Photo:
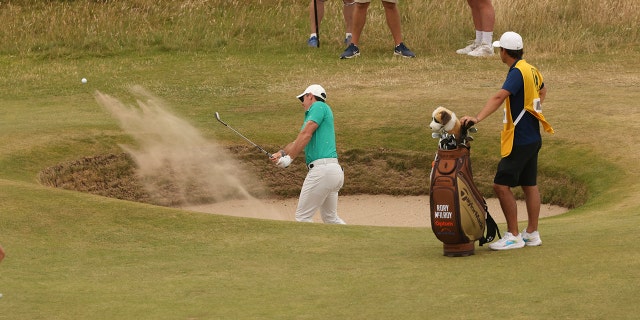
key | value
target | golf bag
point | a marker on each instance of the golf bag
(459, 213)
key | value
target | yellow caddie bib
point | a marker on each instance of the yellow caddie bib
(532, 85)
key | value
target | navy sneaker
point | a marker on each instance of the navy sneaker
(402, 50)
(351, 51)
(313, 42)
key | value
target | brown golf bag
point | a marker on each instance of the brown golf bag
(459, 214)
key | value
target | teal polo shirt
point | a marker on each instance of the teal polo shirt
(323, 141)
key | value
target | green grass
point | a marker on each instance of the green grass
(72, 255)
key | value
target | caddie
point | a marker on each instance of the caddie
(523, 93)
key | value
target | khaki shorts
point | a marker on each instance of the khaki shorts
(367, 1)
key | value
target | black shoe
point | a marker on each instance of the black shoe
(402, 50)
(351, 51)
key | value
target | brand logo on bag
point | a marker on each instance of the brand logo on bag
(444, 223)
(466, 197)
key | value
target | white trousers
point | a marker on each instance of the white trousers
(320, 192)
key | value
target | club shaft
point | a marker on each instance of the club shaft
(241, 135)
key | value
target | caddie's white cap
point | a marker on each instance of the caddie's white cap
(510, 41)
(316, 90)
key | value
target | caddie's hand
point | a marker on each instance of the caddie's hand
(284, 162)
(468, 121)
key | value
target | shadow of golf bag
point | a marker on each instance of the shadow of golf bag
(459, 213)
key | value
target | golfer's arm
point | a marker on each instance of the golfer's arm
(294, 148)
(492, 104)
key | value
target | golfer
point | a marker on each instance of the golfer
(520, 141)
(318, 140)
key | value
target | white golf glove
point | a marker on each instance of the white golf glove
(284, 162)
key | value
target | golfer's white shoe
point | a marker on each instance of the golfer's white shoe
(509, 241)
(531, 239)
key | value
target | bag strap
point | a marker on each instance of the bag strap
(519, 116)
(492, 229)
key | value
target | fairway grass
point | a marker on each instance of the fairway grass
(79, 256)
(73, 255)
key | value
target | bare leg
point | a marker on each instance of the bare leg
(347, 12)
(312, 17)
(392, 14)
(532, 197)
(509, 207)
(475, 14)
(486, 15)
(359, 19)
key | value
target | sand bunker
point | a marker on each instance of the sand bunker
(369, 210)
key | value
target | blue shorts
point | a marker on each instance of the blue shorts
(520, 168)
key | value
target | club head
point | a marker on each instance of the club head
(435, 135)
(220, 120)
(473, 129)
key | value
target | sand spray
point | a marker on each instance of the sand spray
(177, 165)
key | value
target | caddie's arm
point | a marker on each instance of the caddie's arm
(490, 107)
(542, 93)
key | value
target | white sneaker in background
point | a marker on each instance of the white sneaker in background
(483, 50)
(468, 48)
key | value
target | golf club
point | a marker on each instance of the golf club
(240, 134)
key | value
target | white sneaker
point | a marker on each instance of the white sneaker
(531, 239)
(468, 48)
(509, 241)
(483, 50)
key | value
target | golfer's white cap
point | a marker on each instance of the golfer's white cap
(510, 41)
(316, 90)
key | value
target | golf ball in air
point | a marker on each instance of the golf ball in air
(84, 80)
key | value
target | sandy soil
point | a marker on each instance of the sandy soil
(371, 210)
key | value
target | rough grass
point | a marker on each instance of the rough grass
(106, 28)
